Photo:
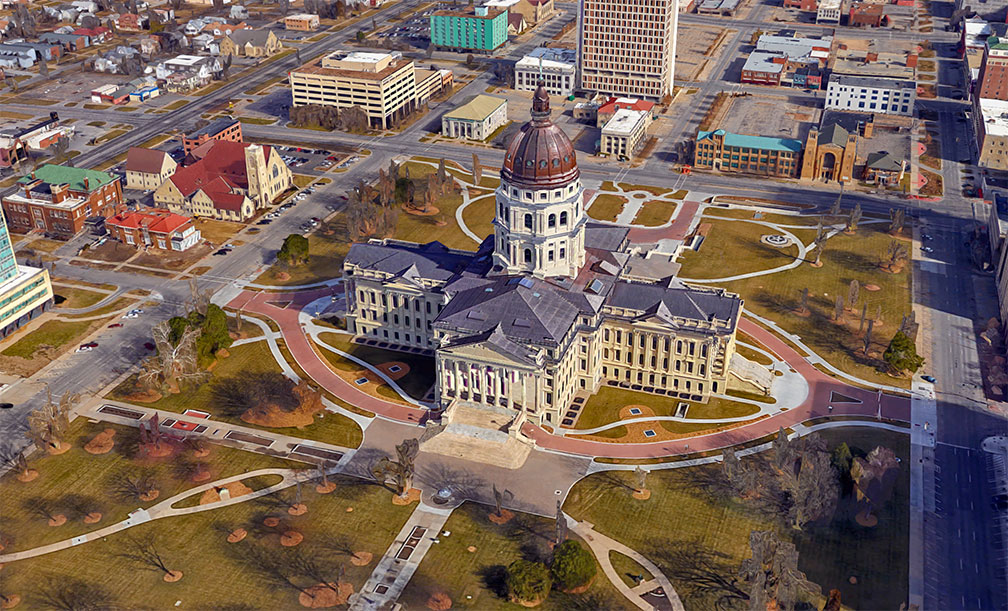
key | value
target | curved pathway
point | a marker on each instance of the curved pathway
(284, 310)
(601, 545)
(164, 509)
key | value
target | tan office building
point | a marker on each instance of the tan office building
(383, 84)
(624, 134)
(627, 47)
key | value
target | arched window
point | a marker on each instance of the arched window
(563, 218)
(507, 216)
(551, 221)
(528, 255)
(528, 221)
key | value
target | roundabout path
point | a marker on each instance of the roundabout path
(284, 309)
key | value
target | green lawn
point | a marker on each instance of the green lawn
(733, 247)
(74, 297)
(216, 574)
(627, 567)
(255, 358)
(120, 303)
(326, 249)
(416, 383)
(473, 579)
(606, 207)
(604, 406)
(76, 482)
(655, 213)
(845, 258)
(54, 333)
(479, 216)
(687, 520)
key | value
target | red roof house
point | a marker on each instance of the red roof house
(158, 229)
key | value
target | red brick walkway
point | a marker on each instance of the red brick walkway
(676, 231)
(283, 309)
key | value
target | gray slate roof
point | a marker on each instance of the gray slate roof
(676, 301)
(525, 309)
(432, 260)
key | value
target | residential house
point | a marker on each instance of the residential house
(96, 35)
(43, 50)
(225, 180)
(70, 42)
(149, 45)
(132, 22)
(57, 200)
(238, 12)
(219, 30)
(185, 72)
(250, 43)
(883, 168)
(223, 128)
(198, 24)
(516, 24)
(204, 43)
(17, 57)
(156, 229)
(147, 169)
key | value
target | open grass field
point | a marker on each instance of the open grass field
(734, 247)
(53, 333)
(326, 249)
(73, 297)
(479, 216)
(416, 383)
(255, 358)
(218, 574)
(76, 483)
(687, 520)
(604, 407)
(845, 258)
(217, 232)
(474, 580)
(115, 306)
(606, 207)
(655, 213)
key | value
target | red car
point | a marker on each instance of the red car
(115, 325)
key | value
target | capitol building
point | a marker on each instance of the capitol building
(549, 307)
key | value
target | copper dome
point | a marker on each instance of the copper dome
(540, 155)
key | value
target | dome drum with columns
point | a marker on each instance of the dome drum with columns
(541, 312)
(539, 222)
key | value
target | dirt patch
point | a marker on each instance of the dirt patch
(234, 489)
(271, 416)
(237, 535)
(439, 601)
(872, 287)
(150, 496)
(102, 443)
(157, 450)
(93, 518)
(412, 496)
(431, 211)
(326, 488)
(866, 519)
(298, 509)
(322, 595)
(62, 448)
(291, 538)
(27, 476)
(642, 495)
(57, 520)
(271, 521)
(10, 601)
(361, 558)
(173, 576)
(503, 518)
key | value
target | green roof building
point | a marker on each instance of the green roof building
(740, 153)
(72, 177)
(475, 28)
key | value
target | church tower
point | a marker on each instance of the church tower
(539, 221)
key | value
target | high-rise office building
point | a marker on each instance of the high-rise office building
(24, 291)
(627, 47)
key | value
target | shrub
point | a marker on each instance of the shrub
(573, 566)
(527, 581)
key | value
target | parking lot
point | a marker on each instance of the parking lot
(416, 30)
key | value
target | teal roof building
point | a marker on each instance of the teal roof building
(477, 28)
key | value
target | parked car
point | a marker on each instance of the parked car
(929, 379)
(115, 325)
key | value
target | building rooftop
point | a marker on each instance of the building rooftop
(624, 122)
(754, 142)
(995, 116)
(764, 61)
(872, 82)
(471, 12)
(147, 161)
(795, 47)
(366, 65)
(156, 220)
(476, 109)
(302, 16)
(74, 177)
(549, 57)
(186, 60)
(213, 128)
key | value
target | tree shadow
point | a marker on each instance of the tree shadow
(705, 578)
(494, 579)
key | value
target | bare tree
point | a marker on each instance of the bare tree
(67, 593)
(501, 497)
(60, 147)
(173, 363)
(130, 487)
(743, 480)
(13, 458)
(868, 475)
(838, 309)
(804, 301)
(477, 171)
(867, 336)
(145, 554)
(853, 219)
(864, 316)
(853, 293)
(560, 524)
(896, 220)
(199, 300)
(895, 255)
(400, 472)
(47, 426)
(811, 483)
(771, 575)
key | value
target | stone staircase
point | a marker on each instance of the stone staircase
(478, 434)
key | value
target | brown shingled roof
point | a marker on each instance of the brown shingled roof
(148, 161)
